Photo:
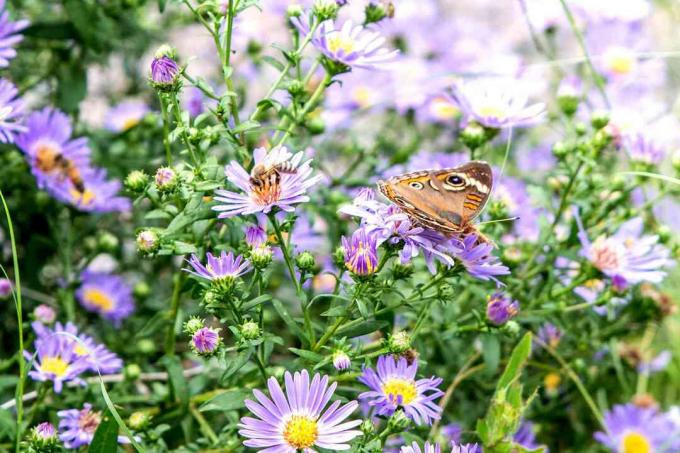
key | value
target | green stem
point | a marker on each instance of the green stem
(226, 60)
(166, 129)
(307, 108)
(174, 311)
(203, 424)
(180, 123)
(19, 393)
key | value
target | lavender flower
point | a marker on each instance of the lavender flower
(97, 195)
(9, 35)
(630, 428)
(44, 314)
(341, 360)
(222, 271)
(393, 385)
(643, 149)
(77, 426)
(56, 361)
(125, 115)
(525, 436)
(106, 294)
(44, 432)
(477, 258)
(205, 341)
(452, 432)
(256, 236)
(465, 448)
(164, 70)
(501, 308)
(497, 103)
(296, 420)
(361, 254)
(11, 112)
(550, 335)
(427, 448)
(290, 190)
(5, 288)
(349, 46)
(658, 363)
(628, 254)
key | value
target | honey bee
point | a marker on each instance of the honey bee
(263, 175)
(50, 161)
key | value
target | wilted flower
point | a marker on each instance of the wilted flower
(106, 294)
(296, 420)
(497, 103)
(9, 35)
(45, 314)
(349, 46)
(550, 335)
(393, 385)
(77, 426)
(57, 361)
(125, 115)
(5, 288)
(11, 111)
(361, 255)
(221, 271)
(634, 429)
(290, 190)
(205, 341)
(341, 361)
(501, 308)
(627, 255)
(427, 448)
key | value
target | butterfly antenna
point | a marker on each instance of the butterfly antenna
(507, 219)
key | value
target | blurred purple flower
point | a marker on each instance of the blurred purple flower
(11, 112)
(99, 194)
(550, 335)
(77, 426)
(125, 115)
(656, 364)
(643, 149)
(501, 308)
(106, 294)
(56, 361)
(427, 448)
(638, 429)
(9, 35)
(5, 288)
(526, 437)
(465, 448)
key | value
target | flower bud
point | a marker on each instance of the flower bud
(141, 290)
(377, 11)
(341, 361)
(146, 346)
(193, 324)
(511, 328)
(107, 242)
(250, 330)
(132, 372)
(325, 9)
(367, 427)
(166, 179)
(398, 422)
(560, 150)
(294, 10)
(165, 72)
(5, 288)
(305, 261)
(399, 342)
(43, 438)
(261, 256)
(136, 181)
(45, 314)
(339, 257)
(500, 309)
(147, 241)
(402, 271)
(139, 420)
(474, 135)
(569, 95)
(599, 119)
(206, 341)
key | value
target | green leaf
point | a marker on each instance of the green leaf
(309, 355)
(518, 359)
(335, 311)
(182, 248)
(105, 439)
(230, 400)
(157, 214)
(491, 351)
(255, 302)
(178, 383)
(246, 126)
(363, 328)
(653, 175)
(161, 5)
(234, 365)
(273, 62)
(288, 319)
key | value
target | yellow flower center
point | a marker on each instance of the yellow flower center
(83, 198)
(620, 61)
(81, 350)
(98, 299)
(492, 111)
(54, 365)
(400, 389)
(362, 96)
(338, 42)
(635, 443)
(129, 123)
(443, 109)
(300, 431)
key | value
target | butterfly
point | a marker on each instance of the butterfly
(443, 200)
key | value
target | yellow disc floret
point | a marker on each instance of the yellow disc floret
(400, 390)
(98, 299)
(635, 443)
(300, 431)
(54, 365)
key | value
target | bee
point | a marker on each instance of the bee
(50, 161)
(263, 175)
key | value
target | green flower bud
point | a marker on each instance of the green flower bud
(474, 135)
(602, 139)
(250, 330)
(402, 271)
(132, 371)
(141, 290)
(399, 342)
(325, 9)
(560, 150)
(193, 324)
(107, 242)
(166, 50)
(211, 297)
(599, 119)
(339, 257)
(398, 422)
(261, 256)
(377, 11)
(146, 346)
(136, 181)
(147, 241)
(305, 261)
(511, 327)
(166, 179)
(139, 420)
(294, 10)
(367, 427)
(316, 126)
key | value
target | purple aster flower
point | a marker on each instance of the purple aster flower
(77, 426)
(645, 150)
(98, 194)
(341, 360)
(256, 236)
(630, 428)
(361, 254)
(164, 71)
(205, 341)
(11, 112)
(513, 193)
(465, 448)
(223, 269)
(56, 361)
(427, 448)
(49, 148)
(125, 115)
(452, 432)
(44, 314)
(44, 431)
(106, 294)
(477, 258)
(193, 101)
(656, 364)
(501, 308)
(296, 420)
(9, 35)
(98, 357)
(550, 335)
(289, 191)
(351, 46)
(393, 385)
(628, 253)
(5, 288)
(525, 436)
(497, 103)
